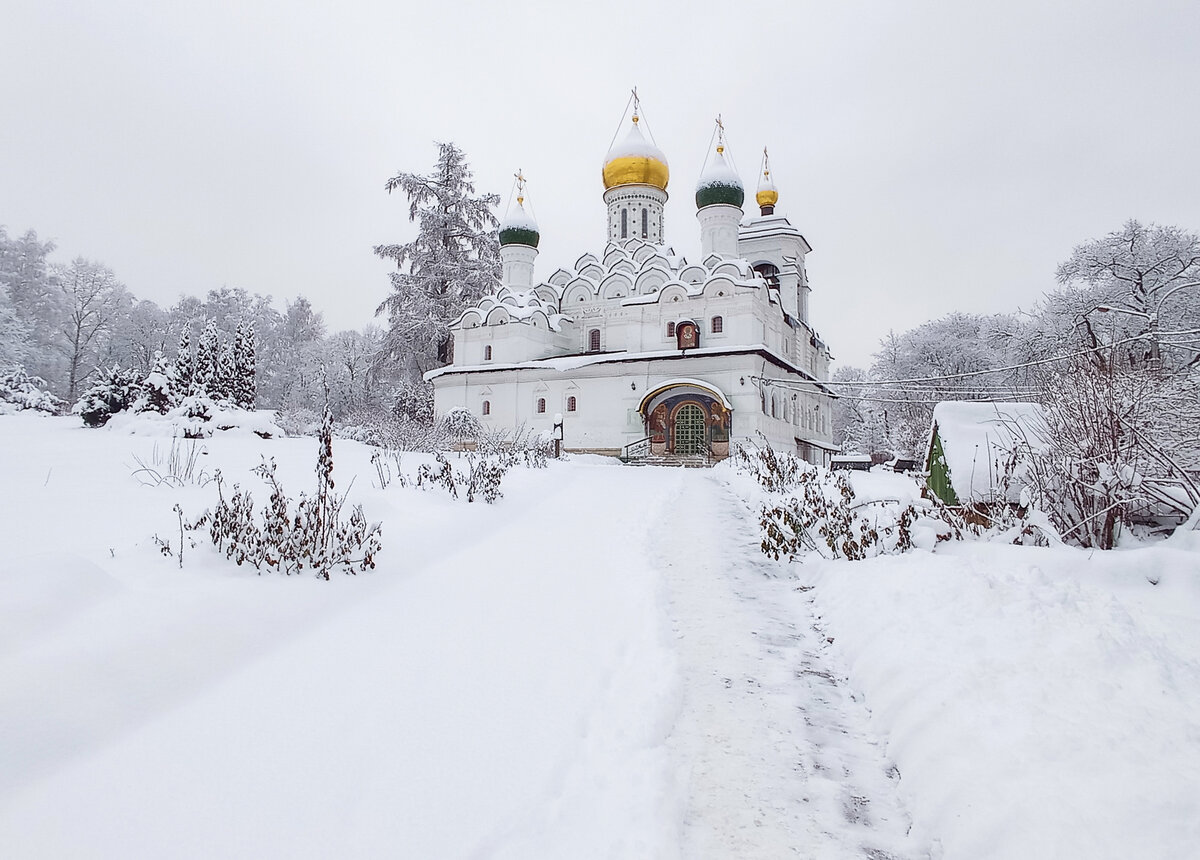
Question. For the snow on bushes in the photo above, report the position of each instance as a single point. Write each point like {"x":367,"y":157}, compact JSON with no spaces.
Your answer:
{"x":115,"y":391}
{"x":20,"y":391}
{"x":309,"y":533}
{"x":808,"y":509}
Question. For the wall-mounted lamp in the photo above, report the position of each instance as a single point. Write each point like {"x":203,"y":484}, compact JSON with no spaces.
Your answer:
{"x":741,"y":380}
{"x":633,"y":386}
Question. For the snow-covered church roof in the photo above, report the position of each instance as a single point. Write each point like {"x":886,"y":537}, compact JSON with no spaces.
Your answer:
{"x":632,"y":271}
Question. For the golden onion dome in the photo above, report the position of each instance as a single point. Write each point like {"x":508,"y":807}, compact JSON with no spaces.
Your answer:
{"x":635,"y":161}
{"x":767,"y":194}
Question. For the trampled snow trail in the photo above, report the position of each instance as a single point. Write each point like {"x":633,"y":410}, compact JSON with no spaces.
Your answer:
{"x":777,"y":750}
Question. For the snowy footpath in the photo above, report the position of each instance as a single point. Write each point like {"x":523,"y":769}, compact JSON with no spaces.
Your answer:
{"x":600,"y":665}
{"x":778,"y":754}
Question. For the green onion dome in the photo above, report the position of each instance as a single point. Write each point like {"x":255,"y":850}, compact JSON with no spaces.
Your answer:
{"x":518,"y":227}
{"x":719,"y":183}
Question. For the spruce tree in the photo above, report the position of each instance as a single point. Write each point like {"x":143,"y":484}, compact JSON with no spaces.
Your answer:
{"x":225,"y":379}
{"x":245,"y":388}
{"x":160,"y":387}
{"x":207,"y":357}
{"x":185,"y":364}
{"x":453,"y":262}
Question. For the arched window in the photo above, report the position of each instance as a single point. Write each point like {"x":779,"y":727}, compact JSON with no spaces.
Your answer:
{"x":645,"y":223}
{"x":774,"y":407}
{"x":487,"y":355}
{"x":795,"y":410}
{"x":487,"y":407}
{"x":571,"y":403}
{"x":670,"y":329}
{"x":718,"y":325}
{"x":594,"y":340}
{"x":624,"y":223}
{"x":541,"y":405}
{"x":769,"y":273}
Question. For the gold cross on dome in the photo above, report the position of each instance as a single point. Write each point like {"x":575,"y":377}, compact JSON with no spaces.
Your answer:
{"x":520,"y":177}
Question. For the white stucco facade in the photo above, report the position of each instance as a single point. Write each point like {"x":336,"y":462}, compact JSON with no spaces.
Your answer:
{"x":639,"y":345}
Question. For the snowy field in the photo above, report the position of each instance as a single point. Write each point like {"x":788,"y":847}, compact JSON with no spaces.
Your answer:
{"x":601,"y":664}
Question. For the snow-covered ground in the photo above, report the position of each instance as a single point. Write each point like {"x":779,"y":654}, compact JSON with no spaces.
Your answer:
{"x":600,"y":665}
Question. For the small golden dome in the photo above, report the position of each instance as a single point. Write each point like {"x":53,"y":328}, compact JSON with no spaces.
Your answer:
{"x":635,"y":161}
{"x":767,"y":197}
{"x":767,"y":194}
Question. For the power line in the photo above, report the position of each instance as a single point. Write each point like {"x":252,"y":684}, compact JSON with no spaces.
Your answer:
{"x":970,"y":373}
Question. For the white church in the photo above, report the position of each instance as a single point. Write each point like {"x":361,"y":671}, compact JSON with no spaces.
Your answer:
{"x":640,"y":352}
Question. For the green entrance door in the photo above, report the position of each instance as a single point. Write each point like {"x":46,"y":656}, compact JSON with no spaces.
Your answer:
{"x":689,"y":429}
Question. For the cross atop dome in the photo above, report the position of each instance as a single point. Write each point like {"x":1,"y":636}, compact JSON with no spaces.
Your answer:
{"x":767,"y":195}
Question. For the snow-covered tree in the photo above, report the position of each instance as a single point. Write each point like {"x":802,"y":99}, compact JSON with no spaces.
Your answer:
{"x":453,"y":262}
{"x":14,"y":336}
{"x":413,"y":401}
{"x":20,"y":391}
{"x":224,"y":382}
{"x":944,"y":359}
{"x":208,"y":357}
{"x":185,"y":362}
{"x":461,"y":425}
{"x":93,"y":298}
{"x":245,"y":390}
{"x":160,"y":388}
{"x":114,"y":390}
{"x":1140,"y":286}
{"x":29,"y":289}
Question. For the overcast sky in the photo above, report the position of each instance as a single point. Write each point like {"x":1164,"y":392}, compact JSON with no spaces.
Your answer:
{"x":938,"y":156}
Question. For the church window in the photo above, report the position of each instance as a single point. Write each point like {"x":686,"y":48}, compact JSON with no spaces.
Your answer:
{"x":670,"y":329}
{"x":487,"y":353}
{"x":624,"y":223}
{"x":571,"y":402}
{"x":770,"y":274}
{"x":718,"y":325}
{"x":594,"y":340}
{"x":645,"y":223}
{"x":541,"y":407}
{"x":774,"y":407}
{"x":487,"y":407}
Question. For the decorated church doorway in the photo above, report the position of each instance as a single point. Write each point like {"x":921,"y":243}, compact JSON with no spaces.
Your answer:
{"x":686,"y":417}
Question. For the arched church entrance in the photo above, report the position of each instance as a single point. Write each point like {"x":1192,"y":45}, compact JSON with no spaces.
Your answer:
{"x":687,"y":417}
{"x":689,"y":429}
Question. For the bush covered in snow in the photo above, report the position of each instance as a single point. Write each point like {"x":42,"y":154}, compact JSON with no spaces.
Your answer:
{"x":292,"y":536}
{"x":114,"y":391}
{"x":19,"y":391}
{"x":461,"y":425}
{"x":809,"y":509}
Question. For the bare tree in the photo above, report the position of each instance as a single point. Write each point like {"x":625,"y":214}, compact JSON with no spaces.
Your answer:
{"x":92,"y":296}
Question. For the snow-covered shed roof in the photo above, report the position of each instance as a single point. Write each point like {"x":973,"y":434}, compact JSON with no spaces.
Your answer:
{"x":976,"y":437}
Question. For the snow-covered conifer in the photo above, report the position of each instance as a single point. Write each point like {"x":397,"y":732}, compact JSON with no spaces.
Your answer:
{"x":207,"y":358}
{"x":244,"y":360}
{"x":453,"y":262}
{"x":114,"y":391}
{"x":185,"y":363}
{"x":224,"y":383}
{"x":159,"y":388}
{"x":20,"y":391}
